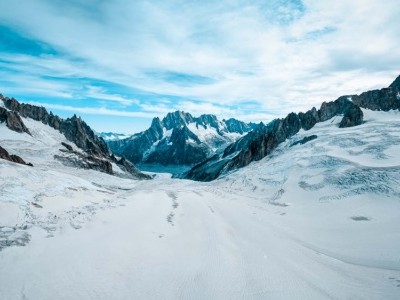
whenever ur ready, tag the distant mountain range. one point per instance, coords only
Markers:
(210, 147)
(179, 139)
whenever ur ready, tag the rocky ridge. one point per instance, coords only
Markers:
(96, 154)
(12, 120)
(261, 142)
(12, 157)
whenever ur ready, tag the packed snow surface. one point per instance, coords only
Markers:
(313, 221)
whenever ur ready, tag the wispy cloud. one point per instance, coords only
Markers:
(96, 92)
(280, 55)
(92, 110)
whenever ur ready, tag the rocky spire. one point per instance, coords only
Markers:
(396, 83)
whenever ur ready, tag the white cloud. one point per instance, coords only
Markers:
(329, 49)
(92, 110)
(100, 93)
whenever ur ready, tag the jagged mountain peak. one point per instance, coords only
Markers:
(194, 138)
(396, 83)
(207, 119)
(177, 119)
(156, 122)
(234, 125)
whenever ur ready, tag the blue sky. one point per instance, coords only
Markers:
(119, 63)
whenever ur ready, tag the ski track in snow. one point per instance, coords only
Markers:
(312, 221)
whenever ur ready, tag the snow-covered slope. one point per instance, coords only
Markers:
(346, 183)
(60, 189)
(39, 147)
(317, 220)
(89, 151)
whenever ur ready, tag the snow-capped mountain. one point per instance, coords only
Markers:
(180, 139)
(70, 142)
(317, 220)
(264, 140)
(112, 136)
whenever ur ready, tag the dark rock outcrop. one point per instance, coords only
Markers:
(237, 126)
(353, 117)
(83, 160)
(78, 160)
(177, 119)
(309, 119)
(99, 164)
(395, 83)
(304, 140)
(77, 131)
(87, 161)
(69, 147)
(14, 158)
(385, 99)
(134, 147)
(13, 120)
(131, 169)
(188, 149)
(338, 107)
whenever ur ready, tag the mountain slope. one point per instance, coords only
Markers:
(91, 152)
(261, 142)
(180, 139)
(317, 220)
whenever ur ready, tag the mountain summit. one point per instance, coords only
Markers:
(180, 139)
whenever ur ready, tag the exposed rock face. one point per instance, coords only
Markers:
(74, 129)
(385, 99)
(83, 160)
(262, 141)
(69, 147)
(14, 158)
(240, 127)
(13, 120)
(188, 149)
(78, 160)
(353, 117)
(177, 119)
(309, 119)
(179, 139)
(330, 109)
(99, 164)
(82, 135)
(304, 140)
(134, 147)
(395, 83)
(131, 169)
(54, 121)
